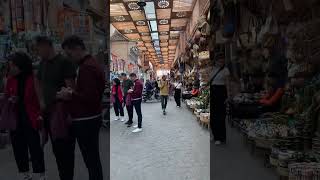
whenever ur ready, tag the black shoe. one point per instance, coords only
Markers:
(129, 125)
(128, 122)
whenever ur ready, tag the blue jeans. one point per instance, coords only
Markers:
(164, 101)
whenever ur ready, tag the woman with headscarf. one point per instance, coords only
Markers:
(25, 137)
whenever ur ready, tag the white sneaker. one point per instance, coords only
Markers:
(117, 119)
(217, 143)
(122, 119)
(135, 126)
(137, 130)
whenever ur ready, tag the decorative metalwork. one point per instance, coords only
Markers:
(181, 14)
(164, 21)
(120, 18)
(128, 31)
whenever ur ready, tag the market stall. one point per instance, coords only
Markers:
(273, 55)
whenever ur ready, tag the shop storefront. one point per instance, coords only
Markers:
(275, 80)
(192, 63)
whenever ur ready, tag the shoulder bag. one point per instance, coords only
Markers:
(215, 75)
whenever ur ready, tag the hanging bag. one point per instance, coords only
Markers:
(60, 121)
(9, 113)
(215, 75)
(128, 100)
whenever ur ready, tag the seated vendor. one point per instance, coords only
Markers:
(188, 95)
(195, 92)
(272, 101)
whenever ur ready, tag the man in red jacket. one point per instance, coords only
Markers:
(86, 104)
(136, 95)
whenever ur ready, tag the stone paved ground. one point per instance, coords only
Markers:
(234, 161)
(8, 170)
(171, 147)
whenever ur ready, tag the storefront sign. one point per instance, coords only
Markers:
(81, 26)
(130, 67)
(17, 15)
(114, 62)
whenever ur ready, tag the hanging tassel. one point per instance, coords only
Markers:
(287, 5)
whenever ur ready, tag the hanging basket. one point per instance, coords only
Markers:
(204, 55)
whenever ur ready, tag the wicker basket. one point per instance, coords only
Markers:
(263, 143)
(274, 161)
(205, 119)
(283, 171)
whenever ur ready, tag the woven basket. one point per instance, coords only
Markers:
(283, 171)
(264, 143)
(274, 161)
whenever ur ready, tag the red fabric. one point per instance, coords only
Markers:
(137, 90)
(195, 92)
(120, 96)
(59, 121)
(30, 98)
(271, 99)
(88, 94)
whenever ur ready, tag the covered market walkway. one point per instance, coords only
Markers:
(176, 147)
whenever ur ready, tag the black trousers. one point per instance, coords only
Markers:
(164, 101)
(218, 112)
(86, 133)
(63, 150)
(177, 96)
(118, 108)
(26, 140)
(136, 104)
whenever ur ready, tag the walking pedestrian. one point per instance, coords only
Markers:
(164, 93)
(26, 137)
(126, 85)
(55, 72)
(86, 104)
(177, 92)
(136, 100)
(117, 99)
(219, 94)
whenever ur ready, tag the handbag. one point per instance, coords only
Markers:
(9, 113)
(215, 75)
(128, 100)
(60, 121)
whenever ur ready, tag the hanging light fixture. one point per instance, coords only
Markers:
(133, 6)
(141, 23)
(163, 4)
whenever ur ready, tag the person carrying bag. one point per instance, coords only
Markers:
(21, 115)
(218, 97)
